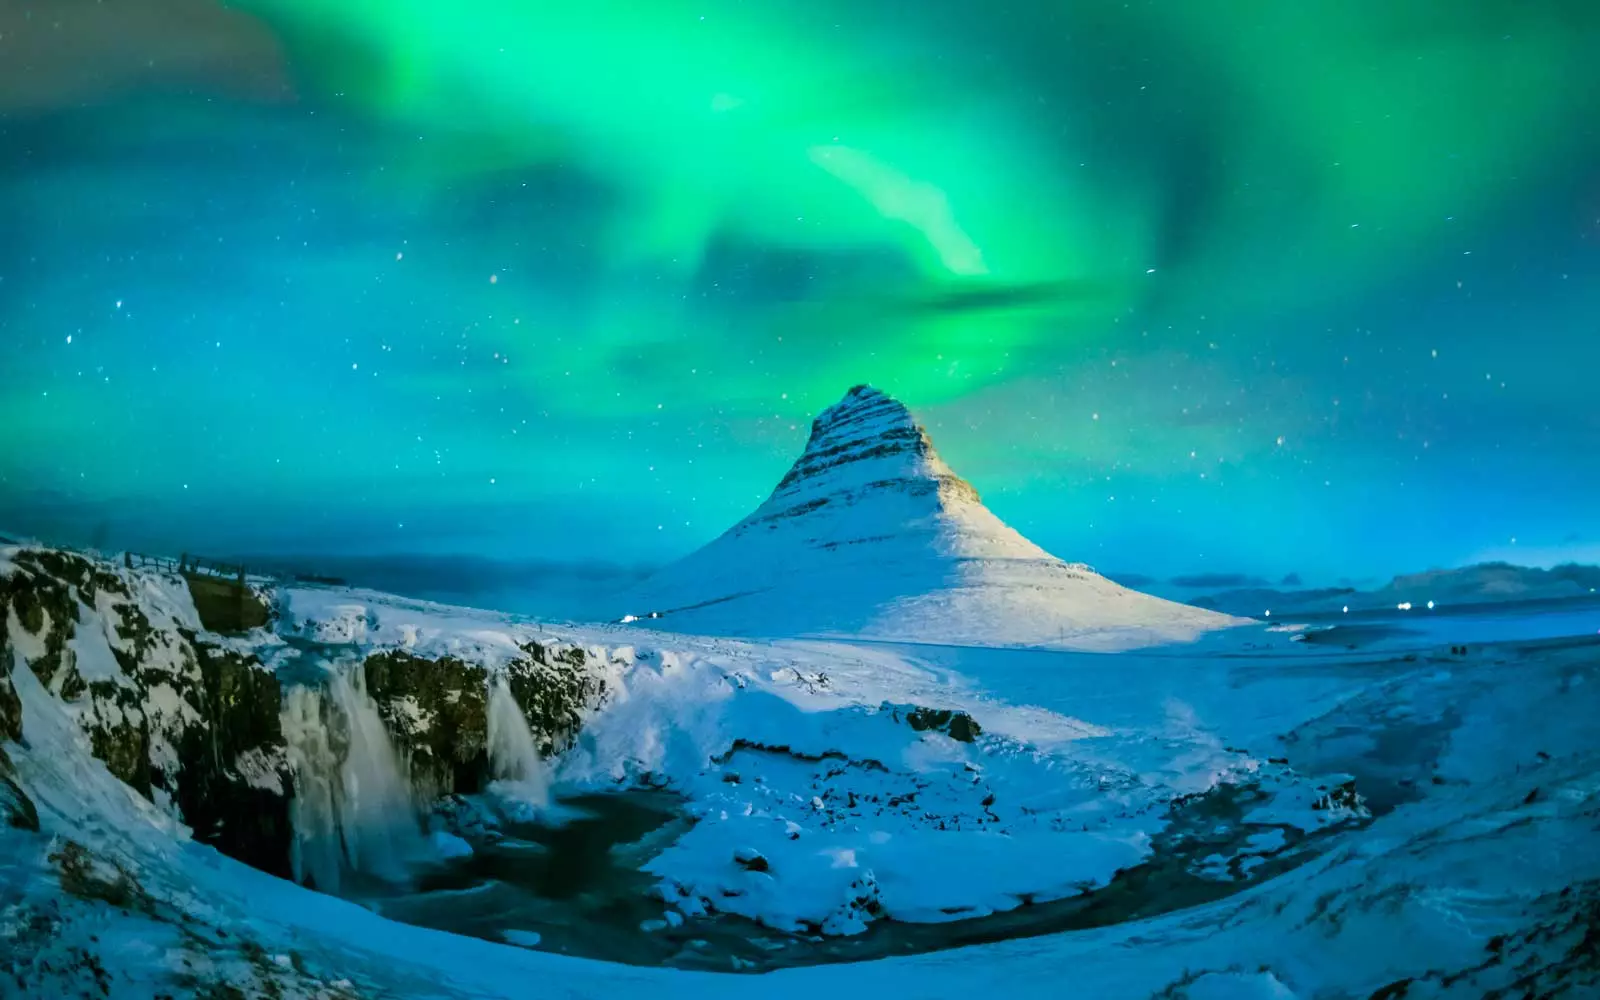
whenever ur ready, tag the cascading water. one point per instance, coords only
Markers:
(514, 763)
(353, 808)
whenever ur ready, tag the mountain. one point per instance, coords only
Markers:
(1482, 583)
(1257, 600)
(871, 534)
(1489, 583)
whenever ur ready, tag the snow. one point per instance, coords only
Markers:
(91, 650)
(1072, 774)
(872, 535)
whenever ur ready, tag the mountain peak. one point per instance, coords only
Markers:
(871, 533)
(861, 406)
(866, 424)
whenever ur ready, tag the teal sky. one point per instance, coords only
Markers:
(1180, 285)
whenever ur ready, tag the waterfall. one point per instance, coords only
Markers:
(513, 754)
(352, 806)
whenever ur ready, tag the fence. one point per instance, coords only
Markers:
(186, 565)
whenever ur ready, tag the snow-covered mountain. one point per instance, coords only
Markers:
(871, 534)
(1481, 583)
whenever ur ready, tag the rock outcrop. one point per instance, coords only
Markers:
(436, 709)
(193, 720)
(182, 721)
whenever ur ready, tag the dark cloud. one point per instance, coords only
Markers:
(1217, 581)
(531, 586)
(74, 52)
(736, 269)
(991, 297)
(1290, 580)
(1134, 580)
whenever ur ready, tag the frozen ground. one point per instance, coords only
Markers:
(835, 800)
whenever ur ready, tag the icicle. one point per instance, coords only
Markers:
(352, 805)
(513, 754)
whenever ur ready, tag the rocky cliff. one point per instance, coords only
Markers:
(192, 720)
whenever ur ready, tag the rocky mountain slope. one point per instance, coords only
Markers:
(871, 534)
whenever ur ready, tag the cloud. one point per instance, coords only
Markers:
(1291, 580)
(70, 52)
(1217, 581)
(1134, 580)
(557, 588)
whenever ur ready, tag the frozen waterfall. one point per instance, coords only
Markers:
(514, 762)
(352, 809)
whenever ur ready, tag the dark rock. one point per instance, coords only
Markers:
(437, 711)
(956, 724)
(10, 703)
(16, 809)
(226, 605)
(47, 610)
(233, 779)
(751, 860)
(555, 688)
(1341, 796)
(219, 758)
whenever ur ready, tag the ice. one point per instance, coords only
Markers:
(514, 761)
(352, 808)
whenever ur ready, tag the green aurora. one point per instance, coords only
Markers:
(1175, 282)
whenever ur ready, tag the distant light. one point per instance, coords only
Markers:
(1346, 609)
(494, 279)
(1406, 606)
(1430, 605)
(69, 338)
(1269, 614)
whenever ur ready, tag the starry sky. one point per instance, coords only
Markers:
(1182, 286)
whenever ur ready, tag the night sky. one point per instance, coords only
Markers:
(1182, 286)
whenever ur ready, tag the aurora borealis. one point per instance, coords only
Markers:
(1180, 285)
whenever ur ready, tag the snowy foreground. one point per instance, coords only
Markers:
(841, 787)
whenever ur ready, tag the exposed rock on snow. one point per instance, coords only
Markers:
(16, 809)
(871, 534)
(193, 721)
(172, 713)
